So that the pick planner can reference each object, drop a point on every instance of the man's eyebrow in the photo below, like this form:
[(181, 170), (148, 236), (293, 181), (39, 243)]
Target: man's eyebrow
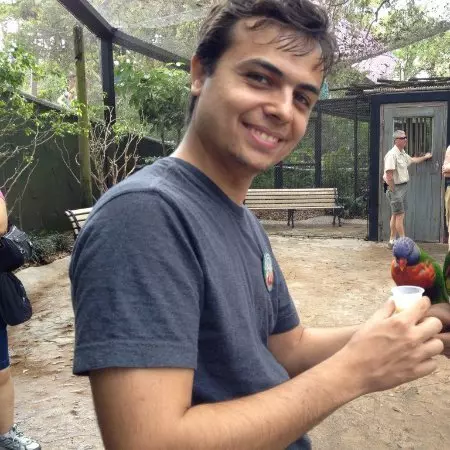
[(276, 71)]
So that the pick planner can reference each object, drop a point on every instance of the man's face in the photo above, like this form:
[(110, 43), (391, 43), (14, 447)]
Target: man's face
[(401, 142), (254, 109)]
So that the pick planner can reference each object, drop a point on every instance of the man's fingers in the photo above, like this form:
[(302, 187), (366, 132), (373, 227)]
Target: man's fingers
[(425, 368), (417, 311), (442, 312), (445, 338), (428, 328), (431, 348)]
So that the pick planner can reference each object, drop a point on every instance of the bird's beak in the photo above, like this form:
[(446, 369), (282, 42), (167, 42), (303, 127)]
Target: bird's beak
[(402, 263)]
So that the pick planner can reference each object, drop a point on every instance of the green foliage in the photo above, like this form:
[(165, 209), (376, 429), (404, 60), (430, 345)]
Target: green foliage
[(15, 64), (160, 95), (264, 180), (48, 246), (23, 125), (337, 170), (431, 55)]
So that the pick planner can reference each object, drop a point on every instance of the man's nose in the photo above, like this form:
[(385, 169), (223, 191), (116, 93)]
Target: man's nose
[(281, 106)]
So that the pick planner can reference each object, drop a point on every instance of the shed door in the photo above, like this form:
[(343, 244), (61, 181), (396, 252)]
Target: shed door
[(425, 125)]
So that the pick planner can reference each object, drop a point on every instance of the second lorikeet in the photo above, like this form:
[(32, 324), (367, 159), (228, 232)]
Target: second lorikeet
[(414, 267)]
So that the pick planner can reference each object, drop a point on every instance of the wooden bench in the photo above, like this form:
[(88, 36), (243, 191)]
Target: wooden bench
[(295, 199), (77, 218)]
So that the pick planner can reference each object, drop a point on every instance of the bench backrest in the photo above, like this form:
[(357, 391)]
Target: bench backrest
[(314, 198), (77, 218)]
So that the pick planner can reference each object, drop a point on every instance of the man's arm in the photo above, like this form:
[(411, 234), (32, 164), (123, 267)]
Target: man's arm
[(301, 348), (446, 164), (420, 159), (3, 217), (389, 178), (151, 408), (442, 312)]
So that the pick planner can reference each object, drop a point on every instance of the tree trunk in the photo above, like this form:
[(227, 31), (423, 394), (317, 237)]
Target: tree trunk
[(83, 120)]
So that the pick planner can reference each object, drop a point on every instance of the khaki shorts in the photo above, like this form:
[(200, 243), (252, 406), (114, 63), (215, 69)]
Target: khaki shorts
[(397, 199)]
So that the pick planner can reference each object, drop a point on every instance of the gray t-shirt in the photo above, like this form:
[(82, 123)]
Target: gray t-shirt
[(169, 272)]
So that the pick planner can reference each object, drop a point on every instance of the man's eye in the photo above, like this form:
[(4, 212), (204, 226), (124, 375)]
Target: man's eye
[(301, 98), (259, 78)]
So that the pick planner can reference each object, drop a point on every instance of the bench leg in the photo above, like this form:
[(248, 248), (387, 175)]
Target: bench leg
[(334, 217), (291, 217)]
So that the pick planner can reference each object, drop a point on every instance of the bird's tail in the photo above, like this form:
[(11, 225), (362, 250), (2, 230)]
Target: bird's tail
[(446, 272)]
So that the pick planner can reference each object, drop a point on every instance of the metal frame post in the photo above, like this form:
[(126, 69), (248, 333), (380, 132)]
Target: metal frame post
[(318, 150)]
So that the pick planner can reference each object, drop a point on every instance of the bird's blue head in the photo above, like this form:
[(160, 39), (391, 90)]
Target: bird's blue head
[(406, 252)]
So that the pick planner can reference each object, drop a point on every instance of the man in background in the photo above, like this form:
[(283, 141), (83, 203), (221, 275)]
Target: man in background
[(396, 176)]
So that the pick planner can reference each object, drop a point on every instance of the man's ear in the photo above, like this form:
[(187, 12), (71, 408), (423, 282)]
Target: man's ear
[(198, 76)]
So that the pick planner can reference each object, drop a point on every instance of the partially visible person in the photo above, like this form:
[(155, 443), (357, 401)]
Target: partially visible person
[(446, 173), (68, 96), (396, 176), (10, 437), (442, 312)]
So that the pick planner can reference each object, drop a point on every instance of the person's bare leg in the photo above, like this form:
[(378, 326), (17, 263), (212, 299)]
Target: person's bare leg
[(393, 228), (399, 218), (6, 401)]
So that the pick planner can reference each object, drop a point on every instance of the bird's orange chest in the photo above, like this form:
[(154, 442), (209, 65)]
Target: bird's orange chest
[(421, 274)]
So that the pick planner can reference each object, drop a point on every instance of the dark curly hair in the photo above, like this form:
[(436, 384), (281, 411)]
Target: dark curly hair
[(302, 16)]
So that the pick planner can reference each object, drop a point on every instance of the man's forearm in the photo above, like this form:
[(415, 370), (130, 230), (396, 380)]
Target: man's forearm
[(389, 178), (318, 344), (271, 419), (419, 159)]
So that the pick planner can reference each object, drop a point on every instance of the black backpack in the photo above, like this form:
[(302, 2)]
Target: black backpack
[(15, 307), (15, 249)]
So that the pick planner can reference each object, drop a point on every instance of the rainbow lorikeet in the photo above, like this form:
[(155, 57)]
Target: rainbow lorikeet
[(414, 267)]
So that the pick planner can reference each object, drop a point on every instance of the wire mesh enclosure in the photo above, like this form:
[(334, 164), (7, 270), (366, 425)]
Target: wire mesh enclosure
[(333, 153)]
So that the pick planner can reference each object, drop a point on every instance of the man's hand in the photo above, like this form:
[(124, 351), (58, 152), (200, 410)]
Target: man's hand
[(427, 156), (442, 312), (391, 349)]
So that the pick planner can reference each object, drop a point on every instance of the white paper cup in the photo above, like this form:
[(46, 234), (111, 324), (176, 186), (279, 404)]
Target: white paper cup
[(405, 296)]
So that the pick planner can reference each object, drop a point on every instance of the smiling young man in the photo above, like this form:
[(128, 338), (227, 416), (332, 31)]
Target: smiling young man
[(184, 322)]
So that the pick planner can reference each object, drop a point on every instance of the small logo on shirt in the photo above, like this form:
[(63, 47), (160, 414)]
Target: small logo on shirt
[(267, 271)]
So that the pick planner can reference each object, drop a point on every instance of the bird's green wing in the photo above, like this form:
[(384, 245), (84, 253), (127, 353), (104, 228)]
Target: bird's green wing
[(446, 272), (439, 292)]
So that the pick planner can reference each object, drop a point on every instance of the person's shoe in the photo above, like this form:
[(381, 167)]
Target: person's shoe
[(391, 243), (16, 440)]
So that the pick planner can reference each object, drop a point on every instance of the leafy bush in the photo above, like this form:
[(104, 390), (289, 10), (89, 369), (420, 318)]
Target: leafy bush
[(47, 247)]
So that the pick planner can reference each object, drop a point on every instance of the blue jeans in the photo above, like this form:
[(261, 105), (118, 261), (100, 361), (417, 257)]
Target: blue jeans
[(4, 355)]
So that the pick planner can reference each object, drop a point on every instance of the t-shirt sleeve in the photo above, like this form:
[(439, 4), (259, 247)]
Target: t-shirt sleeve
[(287, 317), (390, 162), (136, 287)]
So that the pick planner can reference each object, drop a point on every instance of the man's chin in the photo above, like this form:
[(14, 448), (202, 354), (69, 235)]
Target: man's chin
[(255, 166)]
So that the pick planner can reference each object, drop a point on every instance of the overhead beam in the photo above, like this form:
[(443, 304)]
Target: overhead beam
[(145, 48), (90, 17), (98, 25)]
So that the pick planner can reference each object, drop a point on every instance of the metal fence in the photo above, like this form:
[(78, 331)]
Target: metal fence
[(333, 153)]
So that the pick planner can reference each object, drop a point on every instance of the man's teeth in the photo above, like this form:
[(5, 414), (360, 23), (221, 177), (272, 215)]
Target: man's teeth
[(266, 137)]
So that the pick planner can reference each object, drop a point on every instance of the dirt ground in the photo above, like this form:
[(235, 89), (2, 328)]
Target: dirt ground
[(333, 281)]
